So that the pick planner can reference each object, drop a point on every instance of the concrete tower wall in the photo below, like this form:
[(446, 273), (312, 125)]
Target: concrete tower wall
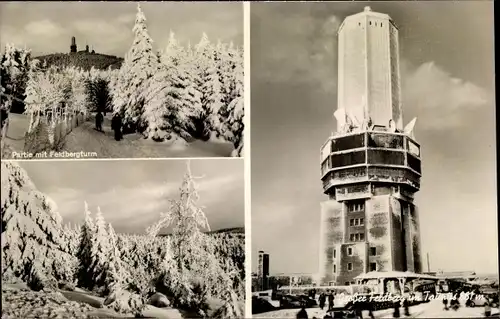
[(415, 241), (352, 79), (331, 237), (378, 70), (368, 69), (378, 226), (397, 109), (408, 236), (398, 236)]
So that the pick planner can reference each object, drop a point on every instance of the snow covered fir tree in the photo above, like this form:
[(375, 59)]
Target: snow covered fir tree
[(52, 269), (172, 96)]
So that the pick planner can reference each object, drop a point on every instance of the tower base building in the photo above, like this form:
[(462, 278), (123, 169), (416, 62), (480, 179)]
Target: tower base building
[(370, 222)]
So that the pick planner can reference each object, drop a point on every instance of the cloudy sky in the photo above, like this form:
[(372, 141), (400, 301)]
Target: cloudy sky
[(132, 194), (47, 27), (448, 84)]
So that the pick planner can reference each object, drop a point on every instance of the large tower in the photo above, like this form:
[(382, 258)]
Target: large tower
[(371, 166), (263, 271), (72, 47)]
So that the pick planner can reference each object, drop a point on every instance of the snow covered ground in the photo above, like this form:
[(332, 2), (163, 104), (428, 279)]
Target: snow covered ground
[(432, 309), (85, 138), (20, 302)]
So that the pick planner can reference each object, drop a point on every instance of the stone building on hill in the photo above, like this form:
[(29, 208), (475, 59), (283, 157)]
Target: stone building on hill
[(74, 49)]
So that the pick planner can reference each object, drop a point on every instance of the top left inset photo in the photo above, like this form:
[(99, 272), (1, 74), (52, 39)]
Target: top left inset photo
[(121, 80)]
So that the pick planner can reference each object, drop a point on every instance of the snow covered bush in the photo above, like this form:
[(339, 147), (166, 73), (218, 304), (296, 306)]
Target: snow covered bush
[(123, 301)]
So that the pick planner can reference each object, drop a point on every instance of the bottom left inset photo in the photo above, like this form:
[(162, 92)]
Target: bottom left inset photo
[(123, 239)]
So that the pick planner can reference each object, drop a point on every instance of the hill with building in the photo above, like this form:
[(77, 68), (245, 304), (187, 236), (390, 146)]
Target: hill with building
[(84, 59), (232, 231)]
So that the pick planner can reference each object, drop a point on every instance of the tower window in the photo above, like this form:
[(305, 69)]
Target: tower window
[(373, 266), (370, 23), (334, 253), (334, 269), (356, 222), (349, 251), (356, 207), (373, 251), (357, 237), (349, 266)]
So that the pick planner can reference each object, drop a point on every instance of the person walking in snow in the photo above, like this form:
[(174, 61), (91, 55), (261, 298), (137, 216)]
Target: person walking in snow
[(445, 302), (99, 118), (330, 299), (406, 307), (487, 309), (302, 314), (322, 300), (396, 313), (116, 125)]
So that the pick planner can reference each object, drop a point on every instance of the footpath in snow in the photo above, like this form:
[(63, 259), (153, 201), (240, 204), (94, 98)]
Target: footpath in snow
[(86, 138)]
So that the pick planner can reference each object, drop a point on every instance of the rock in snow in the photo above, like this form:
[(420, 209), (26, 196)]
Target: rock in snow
[(160, 300)]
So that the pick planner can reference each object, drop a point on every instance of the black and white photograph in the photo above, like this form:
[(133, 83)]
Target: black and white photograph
[(123, 239), (121, 79), (373, 160)]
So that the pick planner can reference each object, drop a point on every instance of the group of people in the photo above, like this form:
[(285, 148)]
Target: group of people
[(352, 309), (116, 124), (327, 299), (323, 297), (454, 303)]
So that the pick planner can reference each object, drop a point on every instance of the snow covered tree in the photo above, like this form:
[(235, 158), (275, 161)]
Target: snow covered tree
[(208, 84), (98, 91), (48, 92), (99, 252), (72, 238), (191, 269), (35, 97), (32, 242), (118, 298), (14, 66), (79, 97), (187, 241), (139, 66), (172, 97), (234, 125), (115, 274), (84, 255), (174, 53)]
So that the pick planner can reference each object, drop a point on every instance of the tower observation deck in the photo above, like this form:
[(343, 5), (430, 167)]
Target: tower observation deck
[(371, 166)]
